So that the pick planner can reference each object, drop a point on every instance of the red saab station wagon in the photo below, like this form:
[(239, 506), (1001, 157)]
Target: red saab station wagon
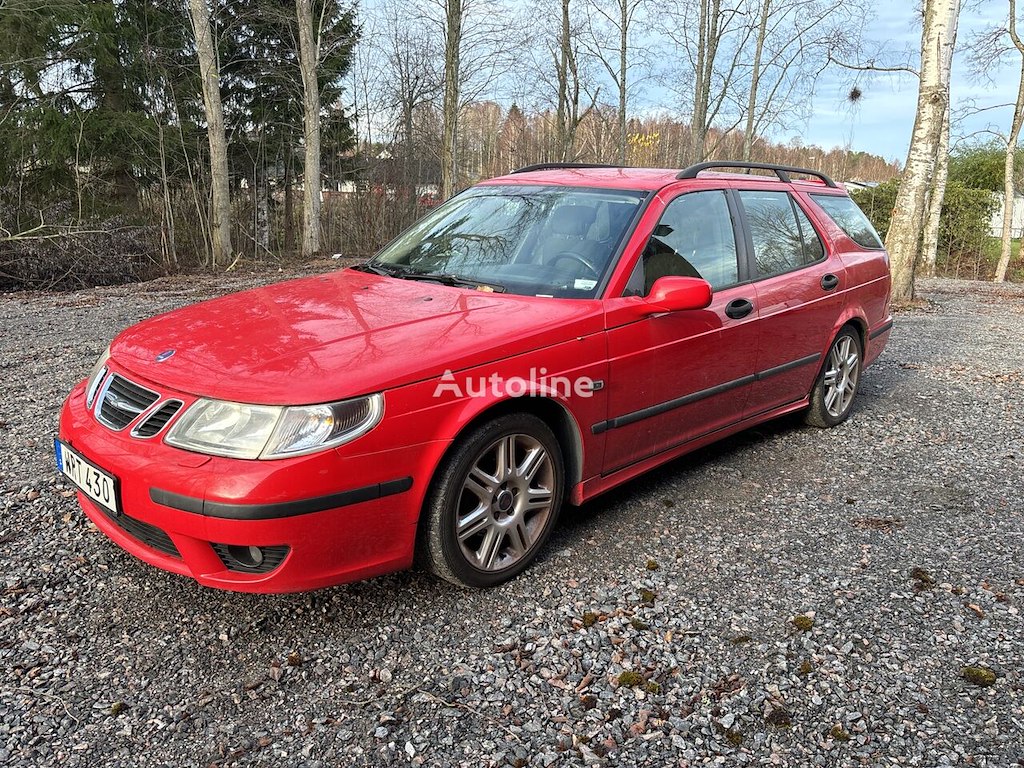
[(535, 341)]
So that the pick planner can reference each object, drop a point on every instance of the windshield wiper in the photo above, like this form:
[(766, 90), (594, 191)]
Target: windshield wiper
[(446, 278), (376, 269)]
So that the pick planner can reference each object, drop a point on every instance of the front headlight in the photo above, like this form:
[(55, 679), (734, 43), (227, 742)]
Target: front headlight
[(242, 431), (96, 376)]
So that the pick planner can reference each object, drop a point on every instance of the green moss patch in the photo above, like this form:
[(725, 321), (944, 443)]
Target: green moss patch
[(980, 676), (803, 622)]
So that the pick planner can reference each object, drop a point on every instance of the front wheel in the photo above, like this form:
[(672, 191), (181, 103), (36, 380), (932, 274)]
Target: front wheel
[(836, 385), (495, 502)]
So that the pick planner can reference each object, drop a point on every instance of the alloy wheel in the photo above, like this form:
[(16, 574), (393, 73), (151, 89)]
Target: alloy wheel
[(505, 502), (841, 374)]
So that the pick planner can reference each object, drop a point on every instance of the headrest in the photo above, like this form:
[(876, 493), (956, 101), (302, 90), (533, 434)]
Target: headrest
[(571, 220)]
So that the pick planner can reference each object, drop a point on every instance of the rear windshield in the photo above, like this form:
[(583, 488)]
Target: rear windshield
[(851, 219)]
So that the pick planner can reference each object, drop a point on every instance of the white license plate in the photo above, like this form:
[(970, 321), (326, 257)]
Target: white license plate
[(98, 485)]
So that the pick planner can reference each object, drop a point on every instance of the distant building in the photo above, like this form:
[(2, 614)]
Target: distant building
[(995, 225), (852, 186)]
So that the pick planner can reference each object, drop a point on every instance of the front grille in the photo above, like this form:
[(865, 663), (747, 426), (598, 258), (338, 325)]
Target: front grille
[(236, 559), (148, 534), (121, 402), (157, 420)]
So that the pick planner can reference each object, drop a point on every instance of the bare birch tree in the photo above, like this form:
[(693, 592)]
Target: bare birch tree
[(903, 241), (791, 43), (209, 71), (309, 58), (482, 42), (755, 77), (400, 71), (567, 112), (609, 41), (713, 37), (712, 25), (936, 194), (451, 97), (1011, 152)]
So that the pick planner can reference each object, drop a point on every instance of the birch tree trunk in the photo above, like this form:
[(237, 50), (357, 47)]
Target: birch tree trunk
[(209, 72), (903, 241), (930, 238), (708, 39), (698, 133), (624, 20), (450, 105), (309, 57), (562, 66), (1011, 151), (755, 80)]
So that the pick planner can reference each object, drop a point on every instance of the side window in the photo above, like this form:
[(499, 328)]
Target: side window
[(694, 238), (813, 247), (851, 219), (782, 234)]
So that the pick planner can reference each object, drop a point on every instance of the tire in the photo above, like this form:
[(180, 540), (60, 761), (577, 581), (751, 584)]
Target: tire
[(489, 516), (836, 386)]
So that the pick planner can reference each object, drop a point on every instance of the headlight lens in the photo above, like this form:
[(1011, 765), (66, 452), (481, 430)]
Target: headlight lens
[(96, 376), (224, 429), (242, 431)]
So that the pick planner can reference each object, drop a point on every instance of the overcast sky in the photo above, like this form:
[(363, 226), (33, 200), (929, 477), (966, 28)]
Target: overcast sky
[(882, 121)]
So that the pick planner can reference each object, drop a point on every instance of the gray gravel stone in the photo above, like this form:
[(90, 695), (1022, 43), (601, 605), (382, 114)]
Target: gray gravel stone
[(402, 670)]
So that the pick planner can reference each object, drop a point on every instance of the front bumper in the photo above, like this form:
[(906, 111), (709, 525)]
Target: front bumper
[(323, 519)]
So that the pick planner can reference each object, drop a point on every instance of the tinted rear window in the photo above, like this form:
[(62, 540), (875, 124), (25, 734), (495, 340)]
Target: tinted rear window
[(782, 236), (851, 219)]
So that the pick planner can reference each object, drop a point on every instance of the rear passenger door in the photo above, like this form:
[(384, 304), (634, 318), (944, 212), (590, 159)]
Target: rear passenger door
[(800, 287)]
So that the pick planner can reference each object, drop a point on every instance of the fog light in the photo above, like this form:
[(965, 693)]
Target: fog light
[(243, 558), (250, 557)]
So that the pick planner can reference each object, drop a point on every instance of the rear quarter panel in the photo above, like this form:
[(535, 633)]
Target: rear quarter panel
[(867, 275)]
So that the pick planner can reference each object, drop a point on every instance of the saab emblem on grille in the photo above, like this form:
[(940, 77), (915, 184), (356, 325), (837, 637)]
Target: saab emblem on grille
[(164, 355), (115, 400)]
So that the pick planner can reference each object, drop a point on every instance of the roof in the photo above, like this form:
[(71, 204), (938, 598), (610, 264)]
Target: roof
[(608, 178), (645, 179)]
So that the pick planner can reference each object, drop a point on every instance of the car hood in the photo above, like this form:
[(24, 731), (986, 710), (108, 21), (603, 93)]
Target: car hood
[(340, 335)]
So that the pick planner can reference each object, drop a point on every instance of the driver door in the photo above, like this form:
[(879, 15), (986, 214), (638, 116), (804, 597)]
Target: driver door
[(677, 376)]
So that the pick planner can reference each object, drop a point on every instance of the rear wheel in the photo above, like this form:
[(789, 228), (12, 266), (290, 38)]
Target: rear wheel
[(836, 385), (497, 497)]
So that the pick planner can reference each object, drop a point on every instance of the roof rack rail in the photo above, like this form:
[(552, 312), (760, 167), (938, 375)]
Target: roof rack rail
[(556, 166), (782, 171)]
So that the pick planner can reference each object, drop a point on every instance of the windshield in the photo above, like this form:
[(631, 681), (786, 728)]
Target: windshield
[(530, 240)]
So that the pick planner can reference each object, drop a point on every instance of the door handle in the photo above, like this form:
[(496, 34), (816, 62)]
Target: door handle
[(829, 282), (738, 308)]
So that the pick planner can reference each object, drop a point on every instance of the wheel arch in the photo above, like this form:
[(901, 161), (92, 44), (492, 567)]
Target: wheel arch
[(548, 410), (553, 413), (854, 320), (860, 325)]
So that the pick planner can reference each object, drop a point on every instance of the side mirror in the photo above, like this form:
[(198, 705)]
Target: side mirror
[(675, 294)]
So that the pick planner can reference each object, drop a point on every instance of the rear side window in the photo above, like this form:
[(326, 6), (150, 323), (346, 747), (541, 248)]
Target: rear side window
[(851, 219), (782, 235)]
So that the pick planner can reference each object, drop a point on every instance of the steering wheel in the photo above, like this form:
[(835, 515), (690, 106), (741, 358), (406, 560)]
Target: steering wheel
[(575, 257)]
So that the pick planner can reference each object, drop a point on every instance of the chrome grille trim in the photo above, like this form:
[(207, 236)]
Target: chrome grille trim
[(101, 378), (120, 402), (155, 421)]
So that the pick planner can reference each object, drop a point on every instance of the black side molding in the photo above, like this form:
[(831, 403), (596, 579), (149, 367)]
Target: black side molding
[(679, 402), (880, 330), (281, 508)]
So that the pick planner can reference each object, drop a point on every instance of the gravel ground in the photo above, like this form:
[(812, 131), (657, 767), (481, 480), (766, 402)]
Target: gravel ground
[(791, 596)]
